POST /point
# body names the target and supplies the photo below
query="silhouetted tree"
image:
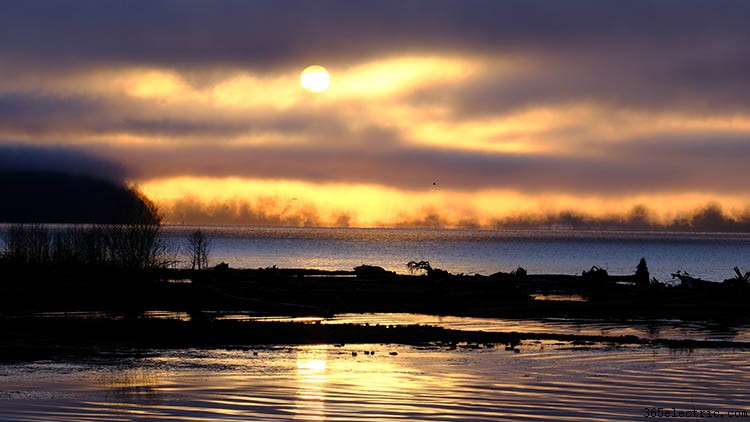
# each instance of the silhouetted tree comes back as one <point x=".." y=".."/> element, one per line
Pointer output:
<point x="415" y="266"/>
<point x="138" y="244"/>
<point x="425" y="266"/>
<point x="519" y="272"/>
<point x="641" y="273"/>
<point x="595" y="273"/>
<point x="198" y="248"/>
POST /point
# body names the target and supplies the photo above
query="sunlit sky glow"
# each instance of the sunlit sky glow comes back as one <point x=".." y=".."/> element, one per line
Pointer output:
<point x="463" y="111"/>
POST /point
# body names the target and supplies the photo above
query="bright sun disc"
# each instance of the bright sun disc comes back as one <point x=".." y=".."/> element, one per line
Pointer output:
<point x="315" y="78"/>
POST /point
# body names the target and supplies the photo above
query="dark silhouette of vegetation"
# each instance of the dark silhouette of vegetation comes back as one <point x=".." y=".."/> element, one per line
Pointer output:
<point x="425" y="267"/>
<point x="198" y="246"/>
<point x="370" y="271"/>
<point x="28" y="245"/>
<point x="136" y="244"/>
<point x="641" y="273"/>
<point x="519" y="272"/>
<point x="418" y="266"/>
<point x="595" y="273"/>
<point x="742" y="277"/>
<point x="739" y="280"/>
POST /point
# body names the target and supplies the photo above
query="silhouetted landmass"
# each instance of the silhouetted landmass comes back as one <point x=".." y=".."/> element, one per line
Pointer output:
<point x="276" y="291"/>
<point x="119" y="299"/>
<point x="53" y="197"/>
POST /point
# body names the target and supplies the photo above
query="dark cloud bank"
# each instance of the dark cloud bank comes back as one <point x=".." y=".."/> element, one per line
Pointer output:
<point x="271" y="31"/>
<point x="640" y="54"/>
<point x="64" y="185"/>
<point x="15" y="157"/>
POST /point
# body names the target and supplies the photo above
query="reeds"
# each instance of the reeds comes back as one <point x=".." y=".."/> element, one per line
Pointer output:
<point x="131" y="246"/>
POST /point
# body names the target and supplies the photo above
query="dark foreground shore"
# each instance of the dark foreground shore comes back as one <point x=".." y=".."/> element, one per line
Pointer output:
<point x="298" y="292"/>
<point x="28" y="292"/>
<point x="44" y="338"/>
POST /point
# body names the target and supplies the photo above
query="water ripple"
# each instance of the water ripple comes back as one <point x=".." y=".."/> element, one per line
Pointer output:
<point x="327" y="383"/>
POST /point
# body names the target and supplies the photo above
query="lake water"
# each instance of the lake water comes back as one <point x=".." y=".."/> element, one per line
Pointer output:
<point x="546" y="381"/>
<point x="705" y="255"/>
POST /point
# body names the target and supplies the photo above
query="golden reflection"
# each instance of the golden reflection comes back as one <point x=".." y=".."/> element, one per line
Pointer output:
<point x="309" y="402"/>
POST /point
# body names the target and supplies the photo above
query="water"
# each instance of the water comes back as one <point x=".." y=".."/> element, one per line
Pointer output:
<point x="673" y="329"/>
<point x="546" y="381"/>
<point x="706" y="255"/>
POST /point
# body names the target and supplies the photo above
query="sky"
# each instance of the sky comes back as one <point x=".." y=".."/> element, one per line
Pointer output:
<point x="439" y="113"/>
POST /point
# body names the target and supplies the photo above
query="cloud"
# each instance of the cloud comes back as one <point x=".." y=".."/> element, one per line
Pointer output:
<point x="646" y="166"/>
<point x="265" y="33"/>
<point x="84" y="118"/>
<point x="699" y="81"/>
<point x="580" y="98"/>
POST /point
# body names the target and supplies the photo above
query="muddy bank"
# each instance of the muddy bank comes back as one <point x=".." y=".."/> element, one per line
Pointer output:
<point x="37" y="338"/>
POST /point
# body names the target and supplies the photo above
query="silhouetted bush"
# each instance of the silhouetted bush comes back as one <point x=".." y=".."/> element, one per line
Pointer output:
<point x="135" y="245"/>
<point x="424" y="266"/>
<point x="595" y="273"/>
<point x="519" y="272"/>
<point x="419" y="266"/>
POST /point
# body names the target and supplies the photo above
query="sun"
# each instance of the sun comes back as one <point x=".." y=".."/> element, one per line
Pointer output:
<point x="315" y="78"/>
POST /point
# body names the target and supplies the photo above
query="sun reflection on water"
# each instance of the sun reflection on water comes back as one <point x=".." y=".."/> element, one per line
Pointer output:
<point x="309" y="403"/>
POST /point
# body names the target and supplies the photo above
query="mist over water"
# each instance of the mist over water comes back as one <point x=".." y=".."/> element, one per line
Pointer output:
<point x="706" y="255"/>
